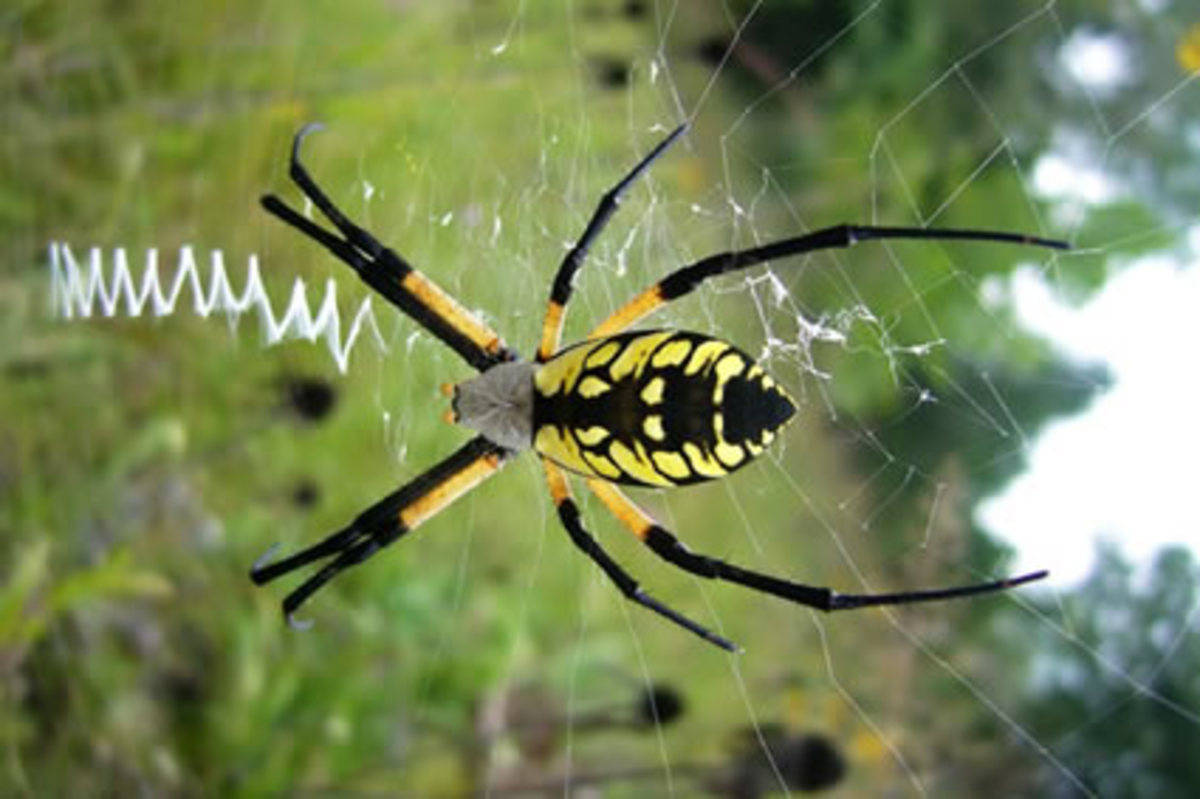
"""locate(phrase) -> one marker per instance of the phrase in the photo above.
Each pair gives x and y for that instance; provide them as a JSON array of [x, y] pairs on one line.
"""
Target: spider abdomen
[[656, 408]]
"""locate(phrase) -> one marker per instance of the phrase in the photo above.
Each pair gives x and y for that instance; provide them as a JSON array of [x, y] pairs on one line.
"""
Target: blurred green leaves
[[30, 602], [146, 464]]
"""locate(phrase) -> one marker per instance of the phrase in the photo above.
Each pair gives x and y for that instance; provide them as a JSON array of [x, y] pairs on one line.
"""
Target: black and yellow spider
[[656, 408]]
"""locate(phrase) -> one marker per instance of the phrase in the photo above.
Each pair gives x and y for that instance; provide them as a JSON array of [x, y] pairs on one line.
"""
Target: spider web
[[931, 372], [882, 345]]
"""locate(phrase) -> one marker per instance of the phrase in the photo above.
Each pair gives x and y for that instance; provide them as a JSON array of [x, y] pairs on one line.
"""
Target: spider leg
[[357, 236], [387, 520], [563, 285], [568, 513], [388, 273], [685, 279], [671, 549]]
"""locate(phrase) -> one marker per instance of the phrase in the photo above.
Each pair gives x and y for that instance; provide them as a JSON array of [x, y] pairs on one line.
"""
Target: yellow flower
[[1187, 52]]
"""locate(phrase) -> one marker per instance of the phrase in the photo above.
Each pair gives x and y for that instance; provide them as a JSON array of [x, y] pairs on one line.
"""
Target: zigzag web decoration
[[114, 292]]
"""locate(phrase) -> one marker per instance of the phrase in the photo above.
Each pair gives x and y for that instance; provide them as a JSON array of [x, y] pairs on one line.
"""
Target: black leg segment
[[668, 547], [387, 272], [687, 278], [568, 513], [384, 522], [564, 279]]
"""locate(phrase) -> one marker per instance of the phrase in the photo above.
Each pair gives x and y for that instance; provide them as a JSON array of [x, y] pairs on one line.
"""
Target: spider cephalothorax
[[656, 408]]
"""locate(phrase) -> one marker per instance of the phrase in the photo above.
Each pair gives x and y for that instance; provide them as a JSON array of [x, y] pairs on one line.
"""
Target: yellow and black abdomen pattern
[[658, 408]]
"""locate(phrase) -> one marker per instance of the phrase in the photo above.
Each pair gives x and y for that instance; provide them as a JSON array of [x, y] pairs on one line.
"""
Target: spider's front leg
[[384, 522], [384, 270]]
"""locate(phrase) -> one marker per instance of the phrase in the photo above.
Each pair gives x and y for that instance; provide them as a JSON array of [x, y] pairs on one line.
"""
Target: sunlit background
[[967, 410], [1120, 471]]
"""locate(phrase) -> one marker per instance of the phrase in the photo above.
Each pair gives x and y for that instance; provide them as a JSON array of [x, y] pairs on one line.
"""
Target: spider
[[648, 408]]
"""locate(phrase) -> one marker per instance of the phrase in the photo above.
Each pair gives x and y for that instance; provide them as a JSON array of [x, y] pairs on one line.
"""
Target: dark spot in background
[[306, 493], [811, 763], [611, 73], [311, 399], [659, 704], [182, 688], [807, 762], [711, 51], [634, 9]]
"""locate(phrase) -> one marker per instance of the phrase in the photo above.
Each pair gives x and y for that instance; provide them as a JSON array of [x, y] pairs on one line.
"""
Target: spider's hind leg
[[672, 550], [568, 513]]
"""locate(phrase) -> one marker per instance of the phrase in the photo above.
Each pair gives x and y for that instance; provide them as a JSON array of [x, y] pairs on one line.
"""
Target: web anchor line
[[110, 289]]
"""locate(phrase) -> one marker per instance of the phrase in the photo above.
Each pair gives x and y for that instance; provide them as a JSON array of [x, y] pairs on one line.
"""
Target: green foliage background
[[145, 464]]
